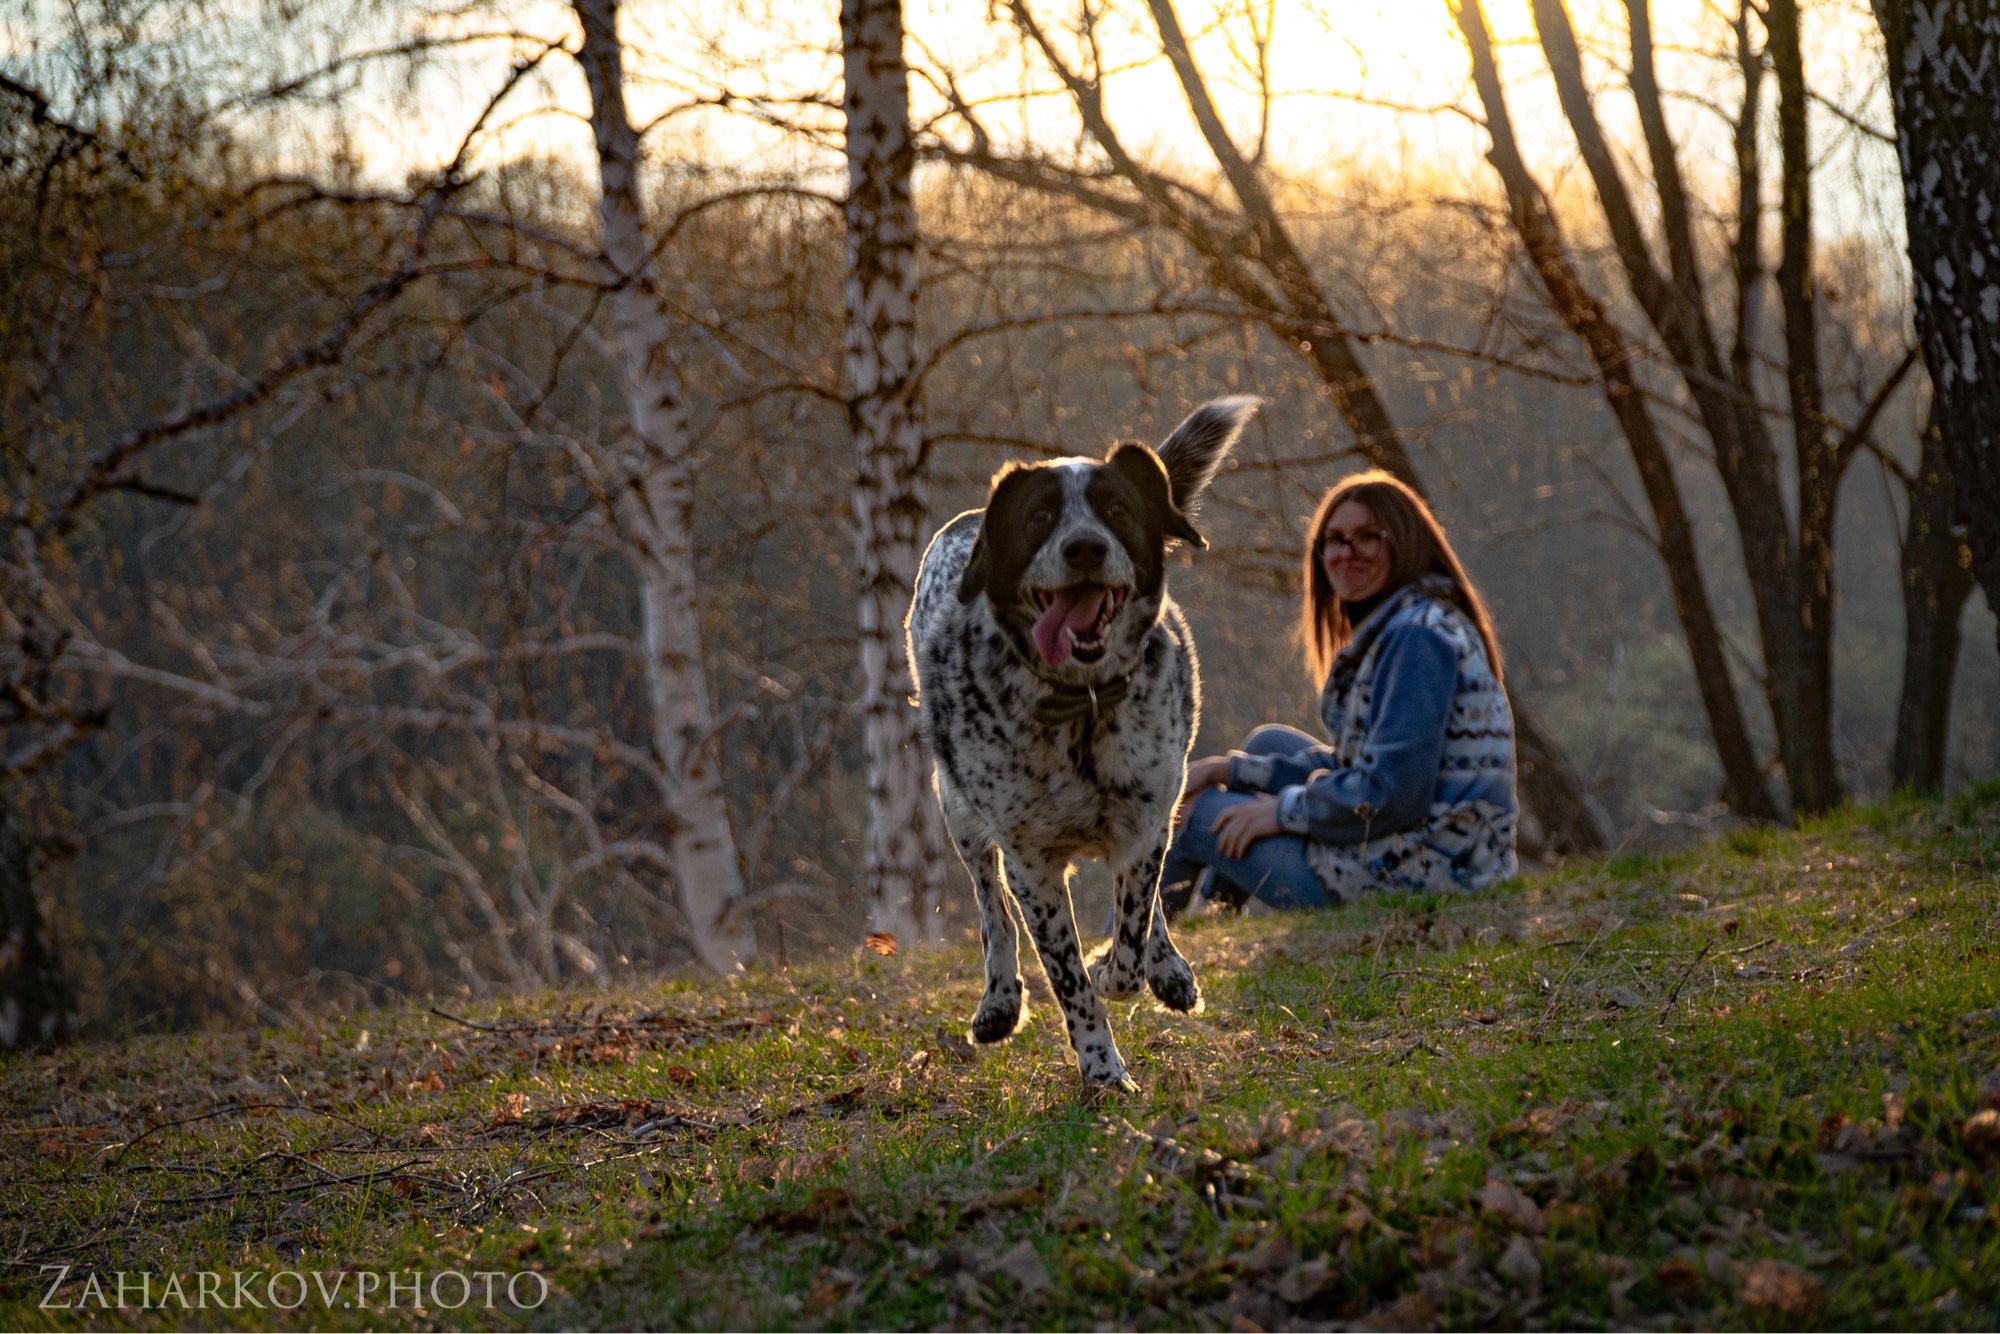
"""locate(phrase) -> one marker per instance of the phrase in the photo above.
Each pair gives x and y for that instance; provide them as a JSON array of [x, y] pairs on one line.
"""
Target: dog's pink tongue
[[1071, 609]]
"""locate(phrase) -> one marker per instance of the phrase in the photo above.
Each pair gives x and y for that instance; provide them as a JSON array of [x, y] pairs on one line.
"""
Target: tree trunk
[[655, 510], [1937, 579], [37, 1003], [1541, 236], [1724, 398], [1808, 747], [906, 875], [1943, 55]]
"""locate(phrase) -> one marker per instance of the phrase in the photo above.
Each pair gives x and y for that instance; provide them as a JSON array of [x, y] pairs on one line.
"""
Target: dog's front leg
[[999, 1012], [1000, 1009], [1114, 971], [1042, 890], [1168, 972], [1139, 937]]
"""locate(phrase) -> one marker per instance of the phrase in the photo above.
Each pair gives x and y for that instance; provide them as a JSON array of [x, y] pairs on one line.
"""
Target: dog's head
[[1072, 554]]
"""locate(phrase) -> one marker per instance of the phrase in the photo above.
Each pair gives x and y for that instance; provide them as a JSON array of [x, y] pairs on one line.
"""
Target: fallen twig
[[1411, 1050], [1899, 918], [400, 1171], [1556, 995], [649, 1023], [1681, 981], [234, 1109]]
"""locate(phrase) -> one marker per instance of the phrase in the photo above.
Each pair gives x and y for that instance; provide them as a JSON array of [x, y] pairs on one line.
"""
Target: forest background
[[334, 643]]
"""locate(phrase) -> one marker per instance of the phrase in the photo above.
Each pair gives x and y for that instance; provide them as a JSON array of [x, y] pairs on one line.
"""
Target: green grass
[[1728, 1087]]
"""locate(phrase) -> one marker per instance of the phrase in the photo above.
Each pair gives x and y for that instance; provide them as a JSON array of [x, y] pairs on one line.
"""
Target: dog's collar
[[1066, 704]]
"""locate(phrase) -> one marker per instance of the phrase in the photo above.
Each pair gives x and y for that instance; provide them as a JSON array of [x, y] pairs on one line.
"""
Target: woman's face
[[1353, 553]]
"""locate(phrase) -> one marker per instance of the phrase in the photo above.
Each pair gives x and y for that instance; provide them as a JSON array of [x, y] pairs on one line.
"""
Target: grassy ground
[[1740, 1087]]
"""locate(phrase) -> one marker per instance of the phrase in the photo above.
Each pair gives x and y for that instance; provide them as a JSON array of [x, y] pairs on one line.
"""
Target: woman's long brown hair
[[1417, 547]]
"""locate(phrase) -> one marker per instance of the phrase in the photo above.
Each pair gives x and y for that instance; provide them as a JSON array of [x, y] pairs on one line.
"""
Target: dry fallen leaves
[[955, 1045], [1989, 1089], [1786, 1289], [1679, 1277], [1413, 1310], [1303, 1282], [1521, 1266], [794, 1168], [1024, 1265], [1504, 1200], [882, 943], [1981, 1134]]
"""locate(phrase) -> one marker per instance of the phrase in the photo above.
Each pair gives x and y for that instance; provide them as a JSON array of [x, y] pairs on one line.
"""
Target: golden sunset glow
[[1339, 85]]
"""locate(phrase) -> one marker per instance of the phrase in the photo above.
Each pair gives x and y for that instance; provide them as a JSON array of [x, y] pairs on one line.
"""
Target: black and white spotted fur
[[1024, 796]]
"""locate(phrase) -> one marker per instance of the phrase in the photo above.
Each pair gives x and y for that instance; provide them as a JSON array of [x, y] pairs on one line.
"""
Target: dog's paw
[[1104, 1074], [998, 1015], [1112, 983], [1097, 1092], [1106, 979], [1173, 982]]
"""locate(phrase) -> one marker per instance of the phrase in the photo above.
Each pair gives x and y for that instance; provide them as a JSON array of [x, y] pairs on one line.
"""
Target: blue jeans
[[1274, 869]]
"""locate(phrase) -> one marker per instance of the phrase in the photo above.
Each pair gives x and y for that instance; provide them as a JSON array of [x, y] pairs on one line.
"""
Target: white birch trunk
[[1944, 57], [655, 512], [906, 873]]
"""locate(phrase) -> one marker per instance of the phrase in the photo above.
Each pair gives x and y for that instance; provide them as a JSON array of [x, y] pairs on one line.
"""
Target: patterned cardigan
[[1417, 790]]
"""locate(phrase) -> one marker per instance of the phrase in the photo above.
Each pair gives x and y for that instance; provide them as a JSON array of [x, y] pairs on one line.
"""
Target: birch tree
[[906, 874], [1944, 58], [655, 509]]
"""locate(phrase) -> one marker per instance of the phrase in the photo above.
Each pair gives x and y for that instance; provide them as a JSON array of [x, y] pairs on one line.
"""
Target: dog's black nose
[[1086, 553]]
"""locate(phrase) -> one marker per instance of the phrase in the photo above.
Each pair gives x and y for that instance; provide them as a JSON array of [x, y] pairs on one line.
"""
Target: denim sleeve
[[1274, 773], [1390, 788]]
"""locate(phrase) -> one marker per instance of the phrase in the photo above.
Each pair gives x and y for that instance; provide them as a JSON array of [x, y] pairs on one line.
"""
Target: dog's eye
[[1042, 514], [1116, 510]]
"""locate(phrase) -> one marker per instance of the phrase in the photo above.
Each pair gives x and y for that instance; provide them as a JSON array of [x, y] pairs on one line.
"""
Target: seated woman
[[1417, 790]]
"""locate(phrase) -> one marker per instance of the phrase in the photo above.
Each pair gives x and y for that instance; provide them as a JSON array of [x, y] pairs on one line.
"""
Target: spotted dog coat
[[1058, 692]]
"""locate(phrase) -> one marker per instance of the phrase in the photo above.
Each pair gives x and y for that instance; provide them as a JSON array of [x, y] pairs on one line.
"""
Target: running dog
[[1058, 692]]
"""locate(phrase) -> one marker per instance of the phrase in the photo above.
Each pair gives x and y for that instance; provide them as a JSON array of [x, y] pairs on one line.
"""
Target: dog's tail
[[1198, 445]]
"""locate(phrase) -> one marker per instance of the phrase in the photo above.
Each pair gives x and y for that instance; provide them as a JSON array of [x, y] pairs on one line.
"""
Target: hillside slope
[[1738, 1086]]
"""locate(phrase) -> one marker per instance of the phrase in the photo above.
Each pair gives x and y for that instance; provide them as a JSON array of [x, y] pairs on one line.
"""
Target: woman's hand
[[1201, 775], [1244, 823], [1210, 772]]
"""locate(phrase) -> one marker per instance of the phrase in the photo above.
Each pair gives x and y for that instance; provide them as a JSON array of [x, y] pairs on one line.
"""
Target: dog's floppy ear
[[972, 581], [1142, 468]]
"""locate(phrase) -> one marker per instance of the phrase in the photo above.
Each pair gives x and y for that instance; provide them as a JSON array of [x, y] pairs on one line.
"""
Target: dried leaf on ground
[[825, 1209], [1785, 1289], [1304, 1281], [1410, 1311], [1520, 1266], [882, 943], [1981, 1134], [1504, 1200], [1024, 1265]]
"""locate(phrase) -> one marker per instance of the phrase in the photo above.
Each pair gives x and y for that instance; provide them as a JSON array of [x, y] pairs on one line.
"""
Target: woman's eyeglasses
[[1367, 542]]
